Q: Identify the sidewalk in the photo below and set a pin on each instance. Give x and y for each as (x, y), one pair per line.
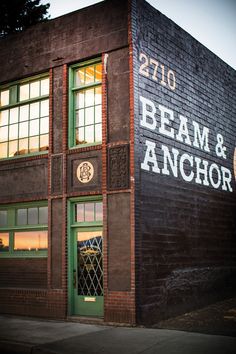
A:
(218, 318)
(24, 336)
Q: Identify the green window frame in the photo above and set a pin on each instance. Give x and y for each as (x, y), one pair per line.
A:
(85, 104)
(87, 212)
(24, 117)
(24, 230)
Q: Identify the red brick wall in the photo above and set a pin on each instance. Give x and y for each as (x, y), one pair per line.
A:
(23, 273)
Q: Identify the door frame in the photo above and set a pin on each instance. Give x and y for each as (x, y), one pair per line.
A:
(72, 227)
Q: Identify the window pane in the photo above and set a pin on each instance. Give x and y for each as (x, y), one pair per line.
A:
(34, 110)
(21, 217)
(3, 134)
(4, 117)
(4, 98)
(79, 97)
(45, 87)
(99, 212)
(4, 242)
(24, 92)
(98, 72)
(23, 146)
(79, 118)
(98, 95)
(34, 89)
(79, 212)
(89, 134)
(34, 127)
(44, 142)
(34, 144)
(3, 150)
(89, 74)
(12, 148)
(13, 132)
(44, 125)
(98, 114)
(98, 132)
(3, 218)
(24, 113)
(23, 130)
(79, 77)
(43, 215)
(44, 110)
(79, 136)
(89, 212)
(32, 216)
(89, 116)
(31, 241)
(89, 97)
(14, 115)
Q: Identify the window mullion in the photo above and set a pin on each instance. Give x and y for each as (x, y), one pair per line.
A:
(11, 242)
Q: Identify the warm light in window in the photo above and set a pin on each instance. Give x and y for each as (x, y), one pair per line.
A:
(4, 98)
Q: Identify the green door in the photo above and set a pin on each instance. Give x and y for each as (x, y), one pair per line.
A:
(87, 272)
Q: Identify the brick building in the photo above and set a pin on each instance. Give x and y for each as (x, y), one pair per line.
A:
(117, 183)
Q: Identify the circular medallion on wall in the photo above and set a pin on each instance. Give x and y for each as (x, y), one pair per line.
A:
(85, 172)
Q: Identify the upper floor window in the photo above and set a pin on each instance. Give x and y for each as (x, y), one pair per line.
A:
(24, 117)
(86, 104)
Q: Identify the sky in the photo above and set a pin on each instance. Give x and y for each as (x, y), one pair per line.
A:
(211, 22)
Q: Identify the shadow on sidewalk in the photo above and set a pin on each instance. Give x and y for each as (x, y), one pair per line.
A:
(218, 318)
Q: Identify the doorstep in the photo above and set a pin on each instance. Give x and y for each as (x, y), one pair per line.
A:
(86, 320)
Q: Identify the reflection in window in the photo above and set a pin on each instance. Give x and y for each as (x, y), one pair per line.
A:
(88, 212)
(31, 241)
(90, 263)
(32, 216)
(22, 217)
(98, 211)
(43, 215)
(3, 218)
(4, 241)
(24, 228)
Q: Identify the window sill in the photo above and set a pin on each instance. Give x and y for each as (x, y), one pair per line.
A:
(26, 156)
(85, 147)
(39, 254)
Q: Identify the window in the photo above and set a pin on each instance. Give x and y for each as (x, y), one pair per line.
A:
(24, 117)
(23, 230)
(86, 104)
(88, 212)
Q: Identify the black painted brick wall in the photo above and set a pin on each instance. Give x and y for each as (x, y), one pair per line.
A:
(185, 232)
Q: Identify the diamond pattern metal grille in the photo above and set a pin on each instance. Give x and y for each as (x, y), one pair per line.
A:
(90, 267)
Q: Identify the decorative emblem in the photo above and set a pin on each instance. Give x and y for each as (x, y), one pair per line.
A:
(85, 172)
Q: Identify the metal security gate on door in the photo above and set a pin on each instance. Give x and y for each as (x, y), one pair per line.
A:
(86, 259)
